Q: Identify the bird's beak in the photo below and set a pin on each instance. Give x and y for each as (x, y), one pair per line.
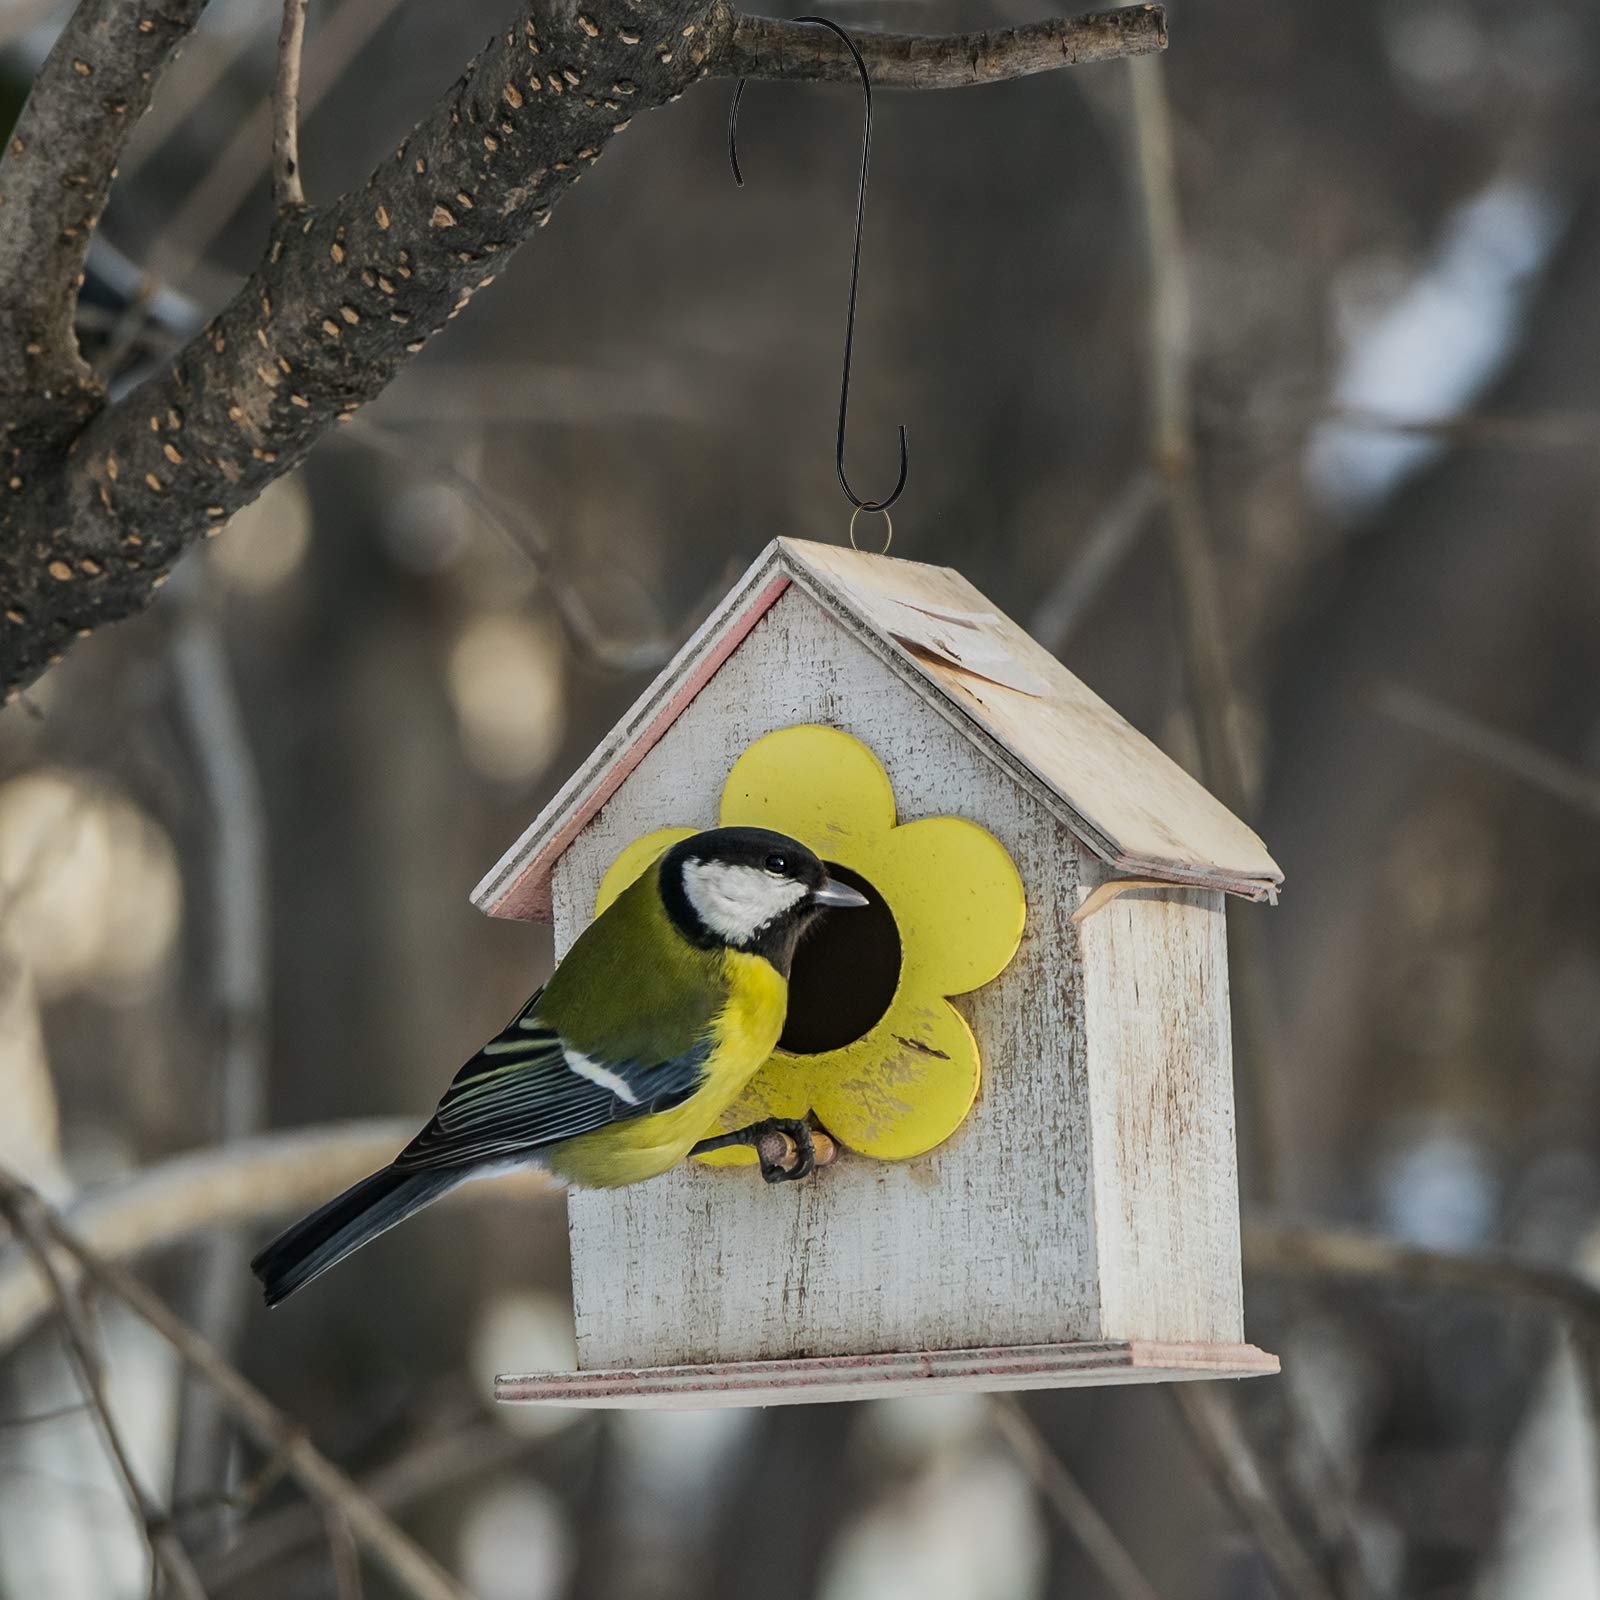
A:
(833, 893)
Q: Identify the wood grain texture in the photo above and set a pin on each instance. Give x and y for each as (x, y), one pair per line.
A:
(1091, 1193)
(921, 1372)
(1139, 809)
(1010, 698)
(1155, 964)
(987, 1240)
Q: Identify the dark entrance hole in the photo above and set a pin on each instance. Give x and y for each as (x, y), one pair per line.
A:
(844, 975)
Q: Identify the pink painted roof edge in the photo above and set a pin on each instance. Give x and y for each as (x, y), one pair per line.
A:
(518, 885)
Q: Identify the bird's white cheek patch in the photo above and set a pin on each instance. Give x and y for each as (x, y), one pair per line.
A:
(735, 902)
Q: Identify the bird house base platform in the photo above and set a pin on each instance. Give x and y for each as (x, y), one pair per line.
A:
(881, 1377)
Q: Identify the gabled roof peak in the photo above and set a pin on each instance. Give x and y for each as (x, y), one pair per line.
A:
(1119, 793)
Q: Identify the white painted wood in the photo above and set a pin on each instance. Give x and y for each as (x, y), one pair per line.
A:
(1155, 968)
(970, 666)
(986, 1240)
(1123, 789)
(883, 1377)
(994, 1239)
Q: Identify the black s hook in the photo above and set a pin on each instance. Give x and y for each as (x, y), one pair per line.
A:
(855, 262)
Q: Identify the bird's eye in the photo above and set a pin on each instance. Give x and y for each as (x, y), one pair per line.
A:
(778, 866)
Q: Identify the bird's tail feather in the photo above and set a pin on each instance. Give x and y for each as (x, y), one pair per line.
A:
(343, 1225)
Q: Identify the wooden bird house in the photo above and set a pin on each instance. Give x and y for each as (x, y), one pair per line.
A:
(1022, 1047)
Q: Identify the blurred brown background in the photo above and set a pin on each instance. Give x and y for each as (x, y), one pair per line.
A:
(237, 836)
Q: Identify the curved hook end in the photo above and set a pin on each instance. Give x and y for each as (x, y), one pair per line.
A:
(893, 495)
(733, 134)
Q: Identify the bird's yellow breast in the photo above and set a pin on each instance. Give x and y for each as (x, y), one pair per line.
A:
(758, 1003)
(745, 1031)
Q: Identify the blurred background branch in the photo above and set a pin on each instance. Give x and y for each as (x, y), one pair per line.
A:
(1203, 626)
(1065, 1496)
(208, 1190)
(235, 885)
(413, 1571)
(169, 1561)
(1565, 781)
(1252, 1486)
(287, 188)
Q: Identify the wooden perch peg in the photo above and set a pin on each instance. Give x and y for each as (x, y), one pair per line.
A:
(1098, 899)
(778, 1149)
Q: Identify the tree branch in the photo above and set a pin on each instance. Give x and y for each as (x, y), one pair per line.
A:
(167, 1553)
(287, 189)
(1066, 1497)
(1240, 1474)
(238, 962)
(1206, 655)
(192, 230)
(1099, 553)
(42, 1419)
(1343, 1254)
(347, 296)
(1347, 1254)
(343, 1555)
(229, 1185)
(55, 175)
(763, 47)
(1566, 781)
(413, 1571)
(343, 299)
(430, 1466)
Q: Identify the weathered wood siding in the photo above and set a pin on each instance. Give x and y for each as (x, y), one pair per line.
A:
(984, 1241)
(1161, 1095)
(884, 1377)
(1091, 1134)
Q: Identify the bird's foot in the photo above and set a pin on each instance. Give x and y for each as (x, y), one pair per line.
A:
(786, 1147)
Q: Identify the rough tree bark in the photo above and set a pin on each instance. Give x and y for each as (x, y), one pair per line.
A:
(55, 176)
(99, 499)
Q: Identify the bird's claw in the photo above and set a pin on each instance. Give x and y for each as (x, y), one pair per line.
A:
(782, 1141)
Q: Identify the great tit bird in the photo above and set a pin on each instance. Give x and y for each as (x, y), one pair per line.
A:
(660, 1014)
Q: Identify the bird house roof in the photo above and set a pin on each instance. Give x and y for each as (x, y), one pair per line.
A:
(1123, 797)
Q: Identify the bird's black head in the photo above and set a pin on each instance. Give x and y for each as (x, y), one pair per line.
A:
(748, 889)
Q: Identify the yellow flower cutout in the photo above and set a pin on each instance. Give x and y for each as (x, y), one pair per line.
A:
(872, 1046)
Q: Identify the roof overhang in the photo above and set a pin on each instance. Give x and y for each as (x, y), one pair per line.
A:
(1129, 802)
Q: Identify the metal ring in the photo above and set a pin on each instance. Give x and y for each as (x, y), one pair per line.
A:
(888, 524)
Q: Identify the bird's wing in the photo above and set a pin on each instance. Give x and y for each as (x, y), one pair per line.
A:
(529, 1087)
